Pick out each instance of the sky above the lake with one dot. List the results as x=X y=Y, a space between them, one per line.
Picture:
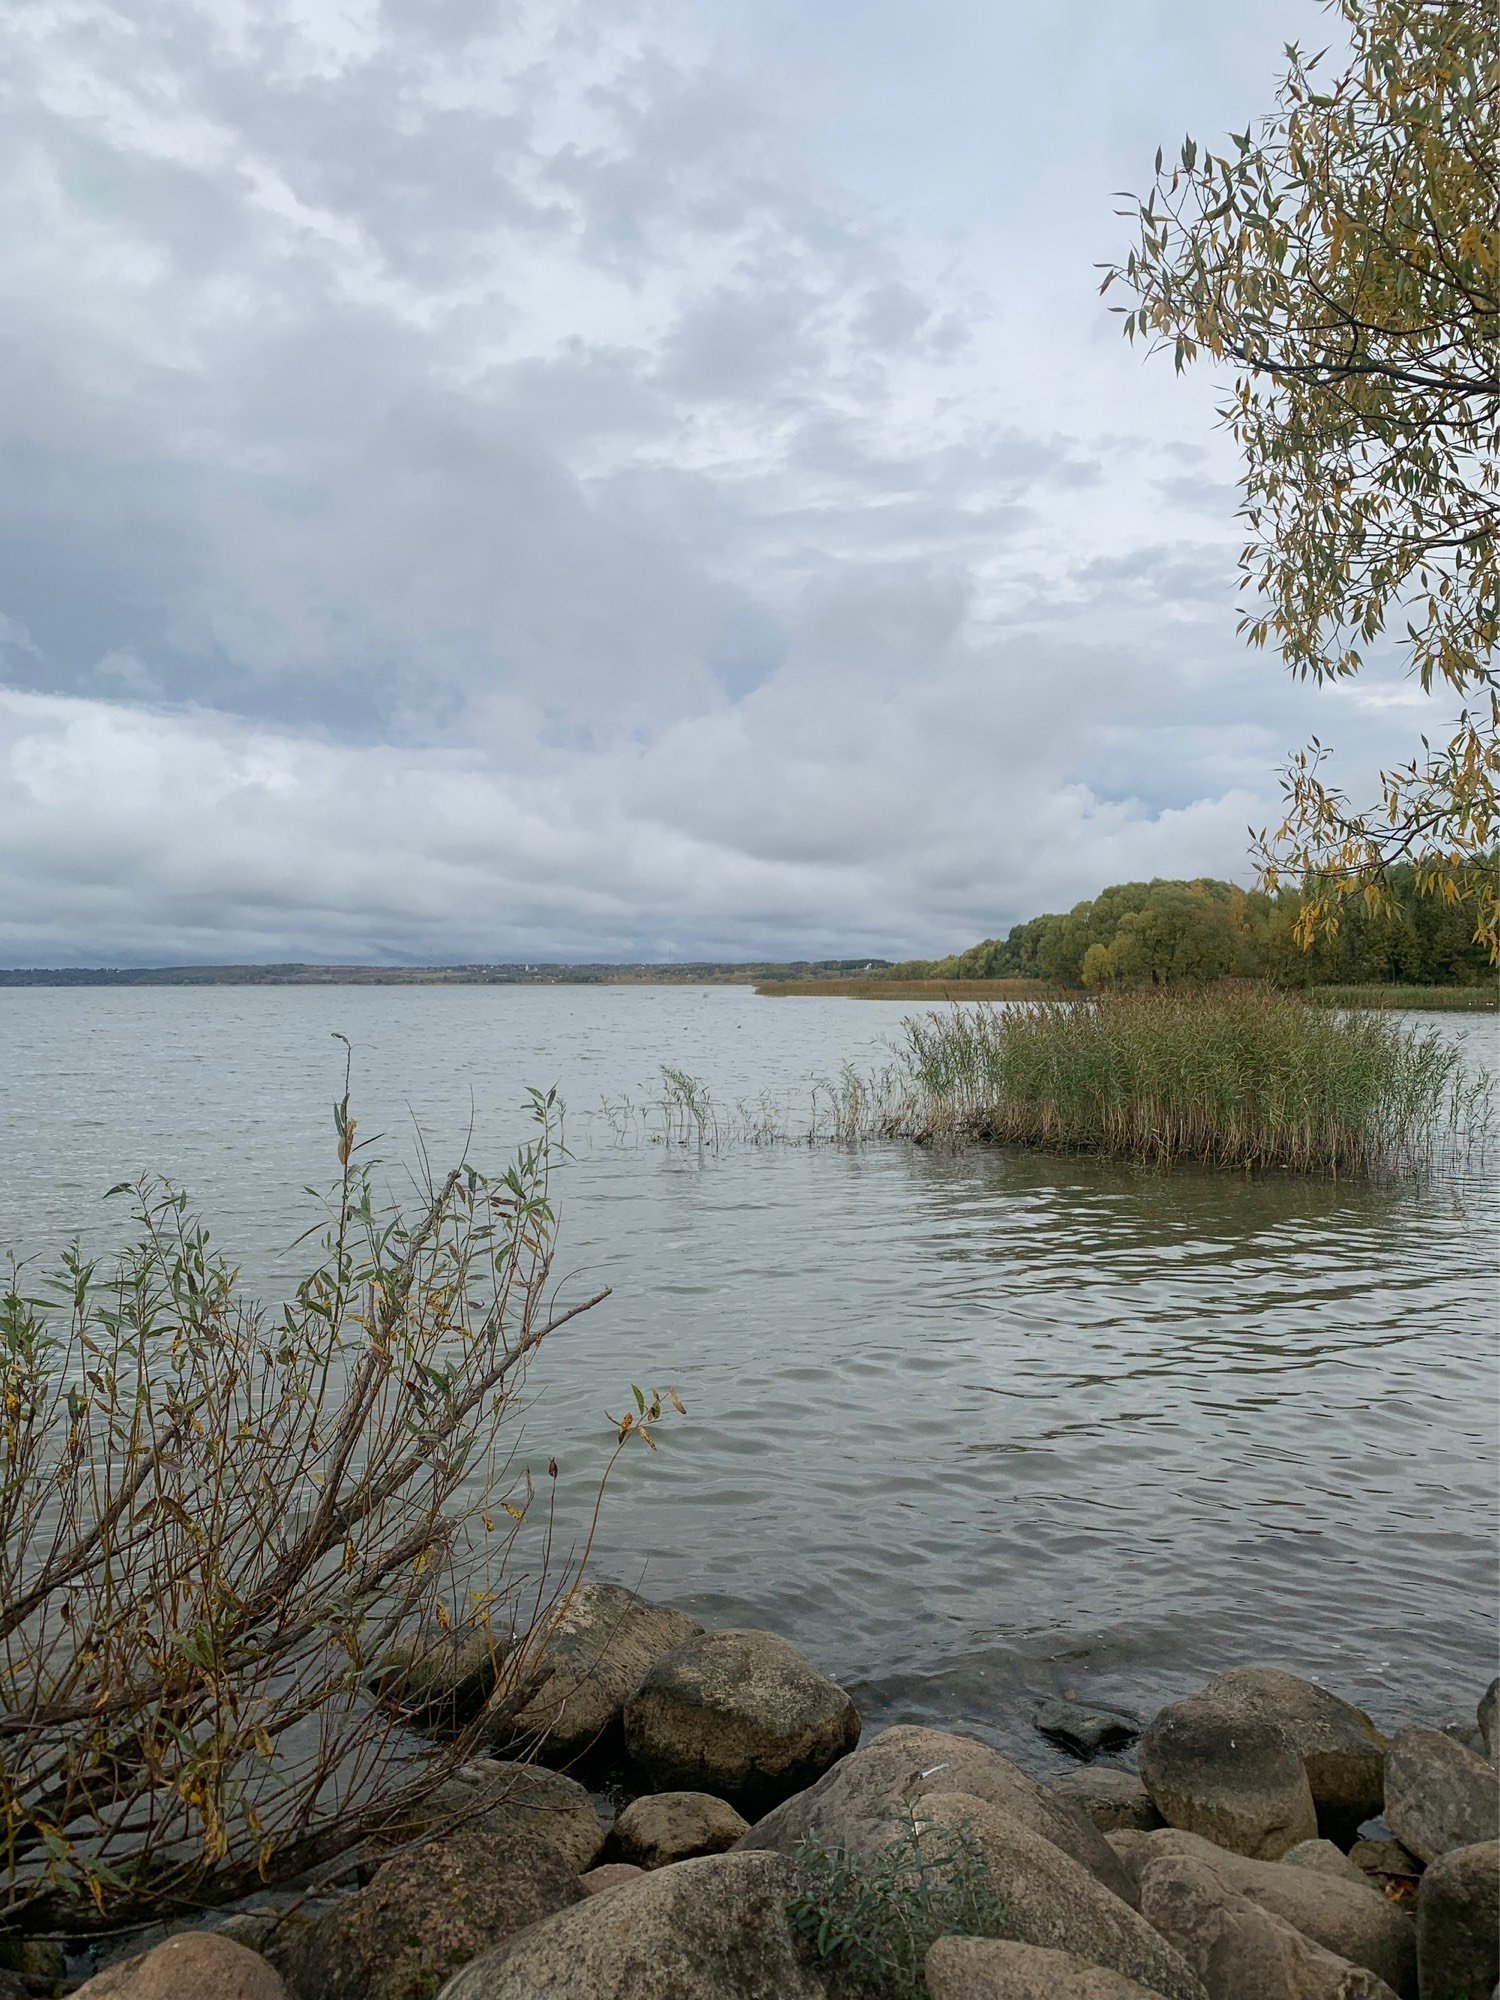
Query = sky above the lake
x=610 y=481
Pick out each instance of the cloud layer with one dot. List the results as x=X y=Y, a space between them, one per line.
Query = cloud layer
x=490 y=481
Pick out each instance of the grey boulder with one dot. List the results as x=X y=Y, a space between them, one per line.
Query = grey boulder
x=1439 y=1795
x=1112 y=1799
x=440 y=1676
x=487 y=1795
x=1345 y=1916
x=853 y=1805
x=711 y=1929
x=665 y=1827
x=1458 y=1923
x=1085 y=1730
x=194 y=1965
x=604 y=1643
x=1324 y=1859
x=741 y=1714
x=1239 y=1950
x=1231 y=1777
x=427 y=1912
x=1238 y=1780
x=1000 y=1969
x=1050 y=1901
x=1486 y=1718
x=1342 y=1751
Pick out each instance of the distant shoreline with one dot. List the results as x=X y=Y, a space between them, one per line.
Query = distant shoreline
x=819 y=979
x=702 y=973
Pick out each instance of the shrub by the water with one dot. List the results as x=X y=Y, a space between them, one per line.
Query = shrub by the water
x=215 y=1519
x=1240 y=1077
x=871 y=1920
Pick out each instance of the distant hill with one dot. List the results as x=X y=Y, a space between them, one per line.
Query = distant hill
x=715 y=973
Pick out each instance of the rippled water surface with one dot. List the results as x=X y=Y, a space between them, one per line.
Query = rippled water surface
x=969 y=1428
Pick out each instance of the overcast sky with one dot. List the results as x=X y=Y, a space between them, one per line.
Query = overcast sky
x=598 y=480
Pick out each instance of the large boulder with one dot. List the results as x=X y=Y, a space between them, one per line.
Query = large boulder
x=1342 y=1751
x=1111 y=1798
x=427 y=1912
x=1345 y=1916
x=741 y=1714
x=665 y=1827
x=1000 y=1969
x=1211 y=1768
x=711 y=1929
x=194 y=1965
x=440 y=1676
x=605 y=1642
x=854 y=1804
x=1458 y=1923
x=1438 y=1794
x=1049 y=1900
x=1486 y=1715
x=1240 y=1950
x=488 y=1795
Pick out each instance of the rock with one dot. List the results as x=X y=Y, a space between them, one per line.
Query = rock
x=711 y=1929
x=440 y=1676
x=1458 y=1923
x=741 y=1714
x=1214 y=1770
x=1111 y=1798
x=1086 y=1731
x=194 y=1965
x=1049 y=1900
x=39 y=1963
x=1384 y=1857
x=490 y=1796
x=12 y=1986
x=427 y=1912
x=1324 y=1859
x=613 y=1875
x=852 y=1805
x=1348 y=1918
x=606 y=1641
x=675 y=1826
x=1239 y=1950
x=996 y=1969
x=1486 y=1716
x=1342 y=1751
x=1438 y=1795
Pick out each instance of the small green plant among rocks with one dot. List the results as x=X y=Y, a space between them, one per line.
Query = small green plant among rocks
x=870 y=1920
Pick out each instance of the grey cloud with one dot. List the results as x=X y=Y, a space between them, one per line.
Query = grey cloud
x=471 y=484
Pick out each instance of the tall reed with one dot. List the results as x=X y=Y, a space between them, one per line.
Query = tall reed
x=1244 y=1077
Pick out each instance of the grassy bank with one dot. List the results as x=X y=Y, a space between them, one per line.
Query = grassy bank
x=1428 y=999
x=1247 y=1078
x=908 y=989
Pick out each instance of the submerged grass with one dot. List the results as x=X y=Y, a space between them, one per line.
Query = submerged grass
x=1413 y=999
x=1247 y=1078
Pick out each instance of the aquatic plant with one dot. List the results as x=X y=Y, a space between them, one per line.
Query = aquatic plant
x=215 y=1520
x=870 y=1920
x=1238 y=1077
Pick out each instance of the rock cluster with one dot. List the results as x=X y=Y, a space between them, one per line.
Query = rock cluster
x=1231 y=1868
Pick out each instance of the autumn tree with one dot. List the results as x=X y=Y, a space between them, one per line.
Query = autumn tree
x=1344 y=259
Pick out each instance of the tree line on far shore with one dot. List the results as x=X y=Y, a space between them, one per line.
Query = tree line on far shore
x=1165 y=933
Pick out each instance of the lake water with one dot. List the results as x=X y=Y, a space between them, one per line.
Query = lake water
x=970 y=1429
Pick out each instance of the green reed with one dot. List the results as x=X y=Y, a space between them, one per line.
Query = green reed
x=1248 y=1078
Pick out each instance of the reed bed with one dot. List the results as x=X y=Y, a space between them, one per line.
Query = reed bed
x=1248 y=1078
x=1240 y=1075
